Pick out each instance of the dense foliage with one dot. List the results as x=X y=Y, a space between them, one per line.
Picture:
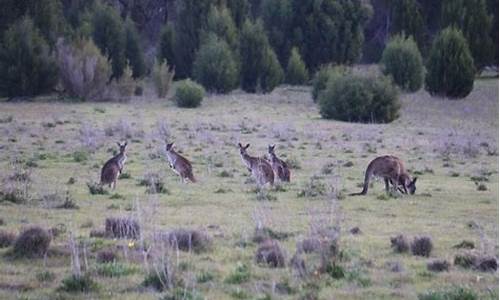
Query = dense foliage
x=403 y=62
x=296 y=71
x=358 y=98
x=189 y=94
x=26 y=66
x=450 y=69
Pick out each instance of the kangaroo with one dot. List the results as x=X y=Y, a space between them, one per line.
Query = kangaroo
x=261 y=169
x=114 y=167
x=280 y=167
x=393 y=171
x=179 y=164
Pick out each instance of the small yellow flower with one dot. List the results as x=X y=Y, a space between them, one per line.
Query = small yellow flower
x=131 y=244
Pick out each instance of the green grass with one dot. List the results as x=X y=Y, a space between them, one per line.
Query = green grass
x=445 y=137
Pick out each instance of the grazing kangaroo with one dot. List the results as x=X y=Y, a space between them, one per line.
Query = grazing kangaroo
x=393 y=171
x=261 y=169
x=280 y=167
x=114 y=167
x=179 y=164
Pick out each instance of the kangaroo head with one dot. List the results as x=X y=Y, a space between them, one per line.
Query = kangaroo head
x=169 y=146
x=123 y=146
x=412 y=186
x=243 y=149
x=270 y=149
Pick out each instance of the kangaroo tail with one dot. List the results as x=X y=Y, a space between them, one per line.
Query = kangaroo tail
x=368 y=174
x=191 y=178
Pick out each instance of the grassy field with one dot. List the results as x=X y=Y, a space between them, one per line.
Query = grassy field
x=452 y=146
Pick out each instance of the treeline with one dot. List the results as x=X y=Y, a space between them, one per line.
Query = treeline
x=89 y=49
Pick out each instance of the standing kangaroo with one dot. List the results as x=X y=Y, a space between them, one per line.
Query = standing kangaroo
x=114 y=167
x=261 y=170
x=393 y=171
x=280 y=167
x=179 y=164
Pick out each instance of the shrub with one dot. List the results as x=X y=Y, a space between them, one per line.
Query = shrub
x=6 y=238
x=78 y=284
x=189 y=94
x=438 y=266
x=271 y=73
x=270 y=254
x=450 y=68
x=154 y=183
x=359 y=98
x=214 y=66
x=84 y=71
x=189 y=240
x=401 y=60
x=253 y=44
x=122 y=89
x=296 y=71
x=421 y=246
x=220 y=23
x=159 y=278
x=400 y=244
x=319 y=81
x=32 y=242
x=26 y=67
x=122 y=228
x=106 y=256
x=162 y=78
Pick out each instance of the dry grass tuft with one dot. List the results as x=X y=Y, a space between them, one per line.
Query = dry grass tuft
x=400 y=244
x=122 y=228
x=421 y=246
x=271 y=254
x=33 y=242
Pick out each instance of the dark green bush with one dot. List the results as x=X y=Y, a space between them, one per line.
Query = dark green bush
x=78 y=284
x=133 y=50
x=189 y=94
x=220 y=23
x=26 y=66
x=296 y=71
x=359 y=98
x=215 y=67
x=455 y=293
x=401 y=60
x=166 y=44
x=319 y=81
x=253 y=42
x=450 y=69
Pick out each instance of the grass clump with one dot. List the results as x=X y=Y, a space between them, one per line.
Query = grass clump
x=455 y=293
x=313 y=188
x=78 y=284
x=438 y=266
x=96 y=189
x=239 y=275
x=106 y=256
x=114 y=269
x=33 y=242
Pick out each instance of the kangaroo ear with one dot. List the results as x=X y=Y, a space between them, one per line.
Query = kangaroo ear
x=118 y=143
x=248 y=145
x=240 y=145
x=414 y=180
x=126 y=143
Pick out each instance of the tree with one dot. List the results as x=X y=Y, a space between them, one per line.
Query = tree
x=47 y=16
x=220 y=23
x=166 y=44
x=407 y=19
x=272 y=73
x=215 y=67
x=472 y=18
x=133 y=50
x=450 y=68
x=191 y=15
x=403 y=62
x=239 y=11
x=253 y=43
x=26 y=66
x=109 y=35
x=296 y=71
x=329 y=30
x=277 y=17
